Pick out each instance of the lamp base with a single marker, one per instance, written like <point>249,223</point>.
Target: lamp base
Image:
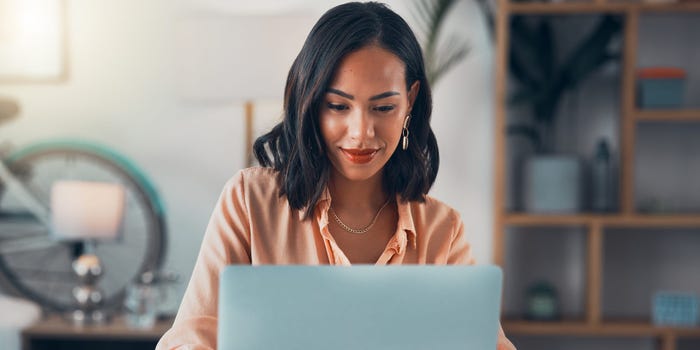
<point>87,294</point>
<point>94,317</point>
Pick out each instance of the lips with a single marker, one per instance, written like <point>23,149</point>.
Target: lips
<point>359,156</point>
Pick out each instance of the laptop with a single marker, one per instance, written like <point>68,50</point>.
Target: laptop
<point>359,307</point>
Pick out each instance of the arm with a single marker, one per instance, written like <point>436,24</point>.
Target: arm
<point>460,253</point>
<point>226,241</point>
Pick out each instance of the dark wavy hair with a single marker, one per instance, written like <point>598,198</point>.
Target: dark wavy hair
<point>295,147</point>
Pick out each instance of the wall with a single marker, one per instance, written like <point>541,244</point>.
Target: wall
<point>125,90</point>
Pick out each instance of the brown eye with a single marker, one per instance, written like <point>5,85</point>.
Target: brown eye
<point>337,107</point>
<point>384,108</point>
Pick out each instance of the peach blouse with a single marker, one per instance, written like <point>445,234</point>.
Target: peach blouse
<point>252,224</point>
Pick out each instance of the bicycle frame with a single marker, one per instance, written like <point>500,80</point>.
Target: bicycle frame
<point>15,188</point>
<point>23,195</point>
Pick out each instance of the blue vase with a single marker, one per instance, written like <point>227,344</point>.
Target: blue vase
<point>552,184</point>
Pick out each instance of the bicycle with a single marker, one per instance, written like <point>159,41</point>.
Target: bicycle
<point>35,266</point>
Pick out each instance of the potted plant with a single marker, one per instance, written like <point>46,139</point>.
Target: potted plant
<point>551,181</point>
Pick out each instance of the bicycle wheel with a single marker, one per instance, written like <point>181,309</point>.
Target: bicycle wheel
<point>42,270</point>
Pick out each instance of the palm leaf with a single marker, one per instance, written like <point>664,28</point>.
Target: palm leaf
<point>452,53</point>
<point>530,50</point>
<point>489,17</point>
<point>592,52</point>
<point>431,15</point>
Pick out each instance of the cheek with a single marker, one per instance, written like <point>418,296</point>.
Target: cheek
<point>393,129</point>
<point>329,128</point>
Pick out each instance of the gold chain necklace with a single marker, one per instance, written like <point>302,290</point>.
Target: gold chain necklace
<point>361,230</point>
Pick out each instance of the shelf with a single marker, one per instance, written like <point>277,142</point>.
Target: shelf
<point>687,115</point>
<point>615,220</point>
<point>56,327</point>
<point>551,220</point>
<point>610,328</point>
<point>600,7</point>
<point>566,8</point>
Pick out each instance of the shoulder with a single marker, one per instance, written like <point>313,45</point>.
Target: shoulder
<point>254,182</point>
<point>254,176</point>
<point>436,209</point>
<point>257,175</point>
<point>433,214</point>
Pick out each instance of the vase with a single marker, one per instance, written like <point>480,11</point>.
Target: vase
<point>552,184</point>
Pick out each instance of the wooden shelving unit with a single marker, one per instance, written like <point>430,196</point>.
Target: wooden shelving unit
<point>689,115</point>
<point>633,328</point>
<point>542,8</point>
<point>593,323</point>
<point>667,336</point>
<point>603,220</point>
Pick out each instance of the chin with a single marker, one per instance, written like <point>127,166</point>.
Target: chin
<point>354,173</point>
<point>358,175</point>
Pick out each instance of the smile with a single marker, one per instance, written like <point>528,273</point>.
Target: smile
<point>359,156</point>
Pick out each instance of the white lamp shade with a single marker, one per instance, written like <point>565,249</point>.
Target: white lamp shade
<point>86,210</point>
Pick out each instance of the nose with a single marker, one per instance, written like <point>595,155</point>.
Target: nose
<point>360,126</point>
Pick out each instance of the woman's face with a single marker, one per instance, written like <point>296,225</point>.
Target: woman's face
<point>363,112</point>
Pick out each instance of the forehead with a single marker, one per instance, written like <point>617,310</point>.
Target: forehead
<point>370,65</point>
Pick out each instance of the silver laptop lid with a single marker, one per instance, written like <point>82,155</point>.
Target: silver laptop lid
<point>359,307</point>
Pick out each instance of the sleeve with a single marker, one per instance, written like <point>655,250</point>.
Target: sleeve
<point>460,250</point>
<point>226,241</point>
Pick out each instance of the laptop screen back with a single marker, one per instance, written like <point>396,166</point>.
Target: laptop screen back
<point>359,307</point>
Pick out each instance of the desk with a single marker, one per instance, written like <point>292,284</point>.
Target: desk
<point>53,332</point>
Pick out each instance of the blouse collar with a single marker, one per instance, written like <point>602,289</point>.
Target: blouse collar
<point>405,223</point>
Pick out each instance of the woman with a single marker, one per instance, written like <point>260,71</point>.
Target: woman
<point>345,174</point>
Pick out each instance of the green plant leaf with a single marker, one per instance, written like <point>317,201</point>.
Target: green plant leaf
<point>520,72</point>
<point>528,131</point>
<point>489,18</point>
<point>452,54</point>
<point>521,97</point>
<point>522,57</point>
<point>546,46</point>
<point>431,15</point>
<point>592,53</point>
<point>531,51</point>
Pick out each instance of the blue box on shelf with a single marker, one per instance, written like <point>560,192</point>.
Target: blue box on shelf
<point>676,309</point>
<point>660,87</point>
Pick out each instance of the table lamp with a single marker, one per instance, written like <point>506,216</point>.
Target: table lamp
<point>87,212</point>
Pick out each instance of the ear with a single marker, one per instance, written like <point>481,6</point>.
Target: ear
<point>412,93</point>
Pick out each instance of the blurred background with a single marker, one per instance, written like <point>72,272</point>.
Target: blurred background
<point>577,121</point>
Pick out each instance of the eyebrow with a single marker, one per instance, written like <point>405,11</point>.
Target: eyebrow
<point>351,97</point>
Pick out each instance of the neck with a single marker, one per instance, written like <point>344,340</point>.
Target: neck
<point>364,195</point>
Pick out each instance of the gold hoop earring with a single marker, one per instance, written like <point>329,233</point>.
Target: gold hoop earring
<point>404,139</point>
